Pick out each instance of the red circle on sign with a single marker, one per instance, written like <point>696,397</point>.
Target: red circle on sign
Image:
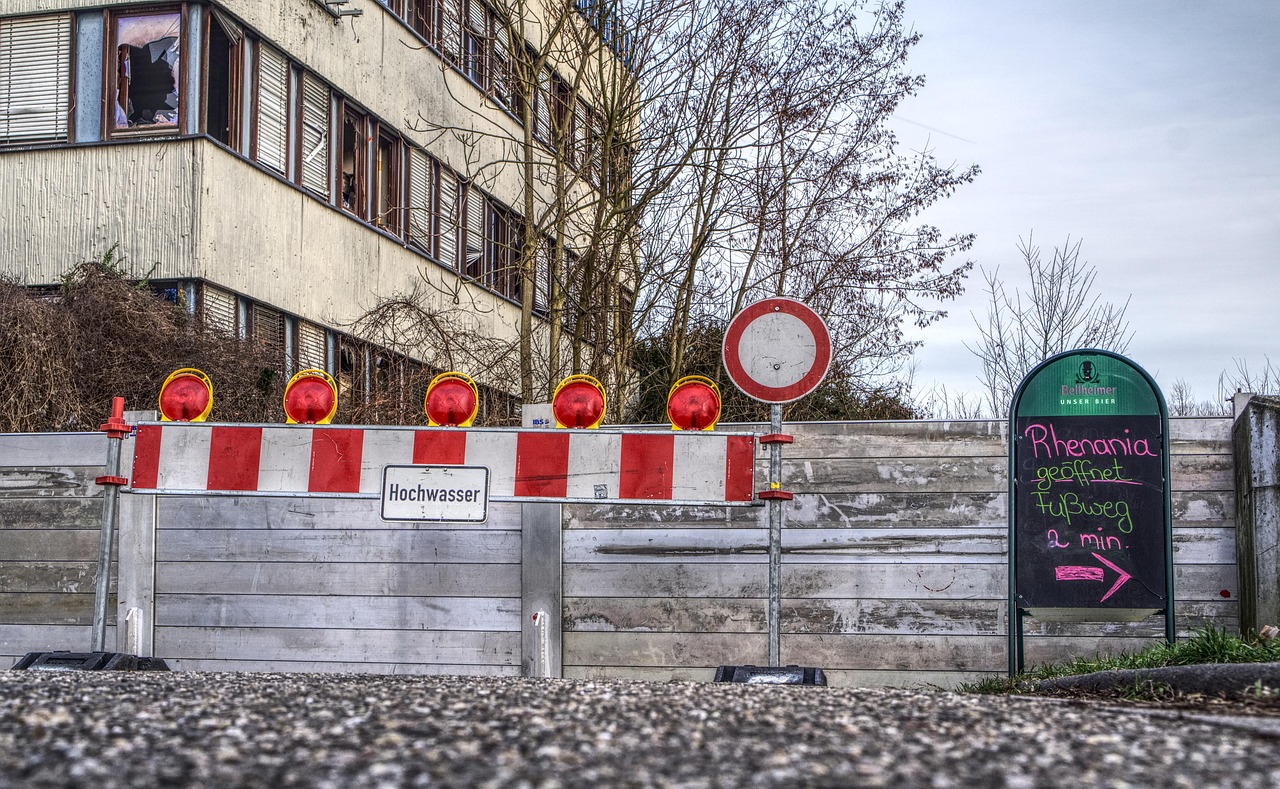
<point>740,372</point>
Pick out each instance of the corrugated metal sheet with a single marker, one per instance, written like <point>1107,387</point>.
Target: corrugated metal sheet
<point>316,120</point>
<point>73,203</point>
<point>35,78</point>
<point>273,107</point>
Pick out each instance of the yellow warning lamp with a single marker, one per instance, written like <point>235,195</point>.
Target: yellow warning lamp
<point>579,401</point>
<point>310,398</point>
<point>452,400</point>
<point>186,396</point>
<point>693,403</point>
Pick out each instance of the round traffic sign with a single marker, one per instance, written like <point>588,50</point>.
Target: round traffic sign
<point>777,350</point>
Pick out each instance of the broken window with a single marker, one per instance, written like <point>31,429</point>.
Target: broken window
<point>354,190</point>
<point>387,183</point>
<point>35,78</point>
<point>222,81</point>
<point>473,263</point>
<point>315,134</point>
<point>503,251</point>
<point>147,71</point>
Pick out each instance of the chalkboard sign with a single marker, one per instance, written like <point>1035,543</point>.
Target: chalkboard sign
<point>1090,512</point>
<point>1089,526</point>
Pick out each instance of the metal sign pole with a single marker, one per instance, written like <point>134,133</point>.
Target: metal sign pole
<point>775,538</point>
<point>116,429</point>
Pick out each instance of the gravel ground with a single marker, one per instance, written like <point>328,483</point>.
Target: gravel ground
<point>112,729</point>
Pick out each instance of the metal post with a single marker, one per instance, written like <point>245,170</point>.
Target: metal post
<point>775,539</point>
<point>116,429</point>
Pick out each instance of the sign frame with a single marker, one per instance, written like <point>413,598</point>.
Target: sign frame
<point>1090,397</point>
<point>423,474</point>
<point>733,352</point>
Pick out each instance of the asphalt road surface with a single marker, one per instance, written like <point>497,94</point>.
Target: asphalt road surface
<point>112,729</point>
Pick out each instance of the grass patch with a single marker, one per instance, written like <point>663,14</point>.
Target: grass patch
<point>1210,645</point>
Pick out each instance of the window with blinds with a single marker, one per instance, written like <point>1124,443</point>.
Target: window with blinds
<point>316,120</point>
<point>421,172</point>
<point>219,310</point>
<point>312,346</point>
<point>35,78</point>
<point>447,222</point>
<point>273,108</point>
<point>542,107</point>
<point>542,275</point>
<point>450,39</point>
<point>473,256</point>
<point>268,330</point>
<point>476,42</point>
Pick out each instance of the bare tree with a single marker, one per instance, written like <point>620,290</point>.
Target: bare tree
<point>679,158</point>
<point>1060,312</point>
<point>1263,381</point>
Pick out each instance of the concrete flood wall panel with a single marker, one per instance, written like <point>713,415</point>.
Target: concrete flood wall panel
<point>323,584</point>
<point>50,526</point>
<point>894,563</point>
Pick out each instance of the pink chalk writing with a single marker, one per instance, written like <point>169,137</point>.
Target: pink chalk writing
<point>1045,438</point>
<point>1075,573</point>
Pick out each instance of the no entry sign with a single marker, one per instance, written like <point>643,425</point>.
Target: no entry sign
<point>777,350</point>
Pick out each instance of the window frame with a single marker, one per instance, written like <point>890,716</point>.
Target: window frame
<point>63,82</point>
<point>360,157</point>
<point>111,71</point>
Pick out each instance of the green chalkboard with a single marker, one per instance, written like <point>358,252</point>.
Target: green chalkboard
<point>1089,526</point>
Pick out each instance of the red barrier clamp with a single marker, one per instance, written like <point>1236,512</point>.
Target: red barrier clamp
<point>777,438</point>
<point>110,480</point>
<point>115,426</point>
<point>782,495</point>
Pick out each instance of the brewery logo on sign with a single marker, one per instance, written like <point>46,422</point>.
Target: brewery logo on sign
<point>1088,388</point>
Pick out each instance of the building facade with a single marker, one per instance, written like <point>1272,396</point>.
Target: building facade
<point>284,166</point>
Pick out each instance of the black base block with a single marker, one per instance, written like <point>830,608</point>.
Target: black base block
<point>88,661</point>
<point>772,675</point>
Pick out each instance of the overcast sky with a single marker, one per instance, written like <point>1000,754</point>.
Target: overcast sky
<point>1150,130</point>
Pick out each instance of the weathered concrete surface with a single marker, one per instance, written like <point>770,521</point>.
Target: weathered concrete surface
<point>104,729</point>
<point>1256,440</point>
<point>1229,680</point>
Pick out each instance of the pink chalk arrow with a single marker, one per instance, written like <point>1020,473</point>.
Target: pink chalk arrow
<point>1079,573</point>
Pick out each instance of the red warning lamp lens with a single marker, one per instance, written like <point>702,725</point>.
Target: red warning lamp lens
<point>186,396</point>
<point>579,402</point>
<point>451,401</point>
<point>309,401</point>
<point>694,404</point>
<point>310,398</point>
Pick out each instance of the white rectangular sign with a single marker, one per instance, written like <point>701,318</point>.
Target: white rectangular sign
<point>435,493</point>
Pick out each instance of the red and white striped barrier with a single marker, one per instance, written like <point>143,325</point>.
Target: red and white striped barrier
<point>541,465</point>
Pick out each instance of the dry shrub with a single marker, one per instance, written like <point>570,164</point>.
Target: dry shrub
<point>68,352</point>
